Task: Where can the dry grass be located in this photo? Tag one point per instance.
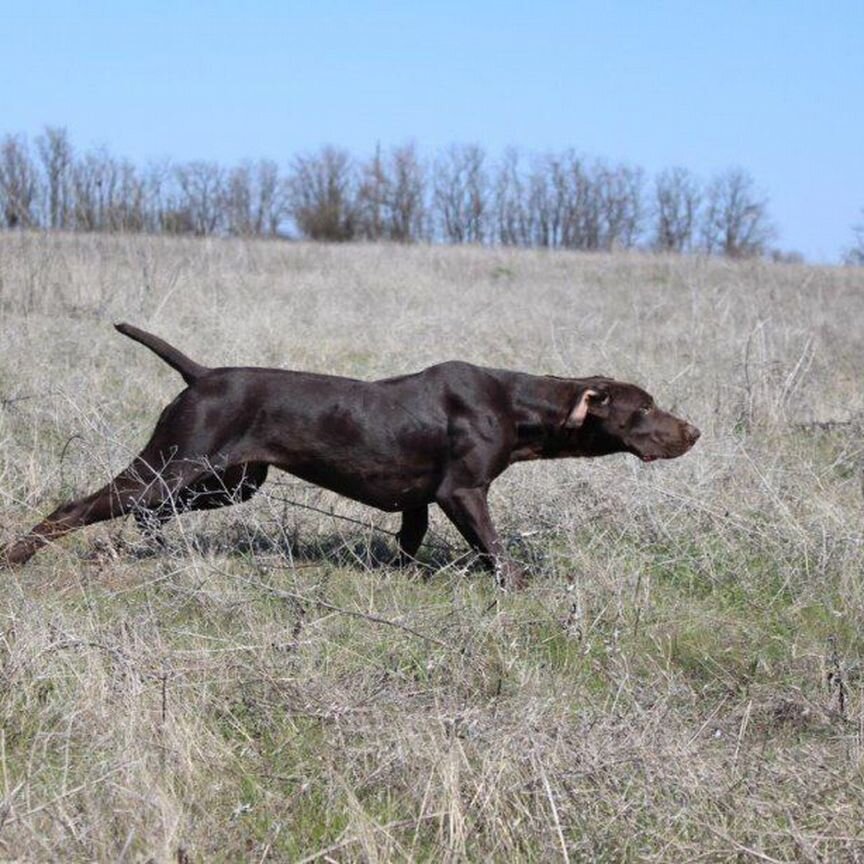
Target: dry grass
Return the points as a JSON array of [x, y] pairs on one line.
[[681, 682]]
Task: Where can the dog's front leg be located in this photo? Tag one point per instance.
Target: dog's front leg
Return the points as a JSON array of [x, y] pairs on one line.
[[468, 510], [411, 534]]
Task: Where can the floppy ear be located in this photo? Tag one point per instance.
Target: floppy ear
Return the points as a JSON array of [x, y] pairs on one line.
[[580, 410]]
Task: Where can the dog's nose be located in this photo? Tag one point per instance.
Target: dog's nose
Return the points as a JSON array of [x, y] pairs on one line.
[[692, 433]]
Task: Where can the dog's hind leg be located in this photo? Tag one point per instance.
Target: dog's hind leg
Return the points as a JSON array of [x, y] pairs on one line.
[[217, 488], [139, 487], [222, 488]]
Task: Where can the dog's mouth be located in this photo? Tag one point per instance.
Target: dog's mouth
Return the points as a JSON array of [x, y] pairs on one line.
[[661, 453]]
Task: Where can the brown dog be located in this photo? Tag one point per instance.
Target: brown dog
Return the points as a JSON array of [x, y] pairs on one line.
[[441, 435]]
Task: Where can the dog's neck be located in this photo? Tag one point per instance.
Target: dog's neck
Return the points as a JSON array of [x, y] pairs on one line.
[[541, 405]]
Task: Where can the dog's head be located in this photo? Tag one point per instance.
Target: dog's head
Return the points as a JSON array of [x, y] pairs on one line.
[[610, 416]]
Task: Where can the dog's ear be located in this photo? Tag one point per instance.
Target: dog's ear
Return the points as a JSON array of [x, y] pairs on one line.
[[588, 402]]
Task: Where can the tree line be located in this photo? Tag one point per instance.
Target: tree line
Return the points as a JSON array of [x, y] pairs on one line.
[[553, 200], [855, 254]]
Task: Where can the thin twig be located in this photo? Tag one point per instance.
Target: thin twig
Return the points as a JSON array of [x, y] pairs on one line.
[[323, 604], [11, 400], [293, 503], [439, 544]]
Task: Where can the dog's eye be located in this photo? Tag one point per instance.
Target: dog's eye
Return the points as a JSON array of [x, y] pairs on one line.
[[644, 411]]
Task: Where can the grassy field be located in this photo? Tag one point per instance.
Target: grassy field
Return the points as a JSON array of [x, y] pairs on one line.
[[682, 680]]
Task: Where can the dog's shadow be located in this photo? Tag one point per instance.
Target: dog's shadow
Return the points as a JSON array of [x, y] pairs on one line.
[[353, 550]]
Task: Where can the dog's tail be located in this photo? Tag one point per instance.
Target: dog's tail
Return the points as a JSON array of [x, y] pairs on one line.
[[189, 369]]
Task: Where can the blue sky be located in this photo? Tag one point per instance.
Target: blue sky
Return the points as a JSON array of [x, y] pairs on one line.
[[774, 87]]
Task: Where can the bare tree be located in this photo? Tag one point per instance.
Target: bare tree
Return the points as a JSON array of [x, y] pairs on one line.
[[545, 202], [389, 199], [582, 203], [407, 217], [619, 192], [18, 183], [372, 196], [322, 195], [176, 219], [562, 204], [270, 198], [512, 214], [201, 186], [676, 209], [253, 200], [237, 215], [55, 151], [106, 194], [461, 194], [126, 208], [574, 206], [87, 179], [735, 221], [156, 180], [855, 255], [579, 198]]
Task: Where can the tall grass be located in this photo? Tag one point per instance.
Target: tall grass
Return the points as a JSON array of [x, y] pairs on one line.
[[681, 681]]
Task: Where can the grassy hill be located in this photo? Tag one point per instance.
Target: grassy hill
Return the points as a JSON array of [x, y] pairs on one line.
[[681, 681]]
